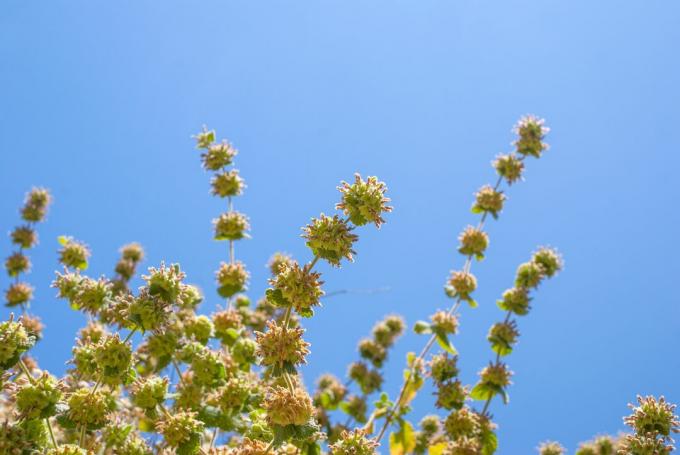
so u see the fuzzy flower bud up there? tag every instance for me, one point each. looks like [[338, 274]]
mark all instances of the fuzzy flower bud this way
[[231, 226], [277, 260], [502, 336], [73, 254], [35, 205], [549, 260], [148, 393], [199, 328], [233, 395], [364, 201], [14, 341], [451, 395], [38, 400], [488, 200], [227, 184], [114, 359], [226, 324], [531, 132], [281, 347], [18, 294], [91, 295], [473, 242], [296, 286], [529, 275], [182, 431], [463, 422], [90, 408], [17, 263], [493, 379], [354, 442], [509, 167], [372, 351], [286, 407], [461, 285], [330, 238], [231, 278], [515, 300], [443, 367], [653, 416], [551, 448], [165, 282], [443, 322], [218, 156], [244, 351], [208, 368]]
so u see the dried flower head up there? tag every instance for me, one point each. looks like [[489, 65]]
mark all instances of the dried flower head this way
[[208, 368], [515, 300], [146, 312], [17, 263], [14, 341], [234, 394], [286, 407], [364, 201], [18, 294], [231, 226], [356, 407], [355, 442], [181, 431], [231, 278], [281, 347], [330, 392], [244, 351], [531, 132], [488, 200], [67, 285], [462, 423], [35, 205], [227, 184], [503, 336], [460, 285], [493, 379], [330, 238], [509, 167], [473, 242], [73, 254], [38, 399], [296, 286], [33, 325]]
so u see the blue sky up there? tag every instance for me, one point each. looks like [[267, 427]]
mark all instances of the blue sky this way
[[99, 99]]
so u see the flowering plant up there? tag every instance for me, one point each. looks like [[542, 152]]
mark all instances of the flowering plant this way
[[230, 382]]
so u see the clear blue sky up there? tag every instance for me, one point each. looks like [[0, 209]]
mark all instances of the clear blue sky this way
[[98, 101]]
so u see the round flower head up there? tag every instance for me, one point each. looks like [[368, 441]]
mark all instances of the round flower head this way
[[233, 395], [388, 330], [488, 200], [132, 252], [443, 367], [38, 400], [24, 237], [205, 138], [243, 352], [84, 359], [91, 295], [17, 263], [182, 431], [515, 300], [199, 328], [73, 254], [134, 445], [549, 260], [146, 312], [461, 285], [551, 448], [330, 238], [227, 324], [372, 351], [14, 341], [18, 294], [231, 226], [208, 368], [126, 269], [67, 449], [451, 395], [33, 326], [463, 422], [529, 275], [218, 156], [503, 336], [509, 167], [296, 286], [35, 206], [281, 348], [277, 260], [67, 285], [286, 407], [90, 408], [356, 407], [364, 201], [369, 380], [443, 322], [227, 184], [492, 380], [473, 242], [330, 392], [231, 278], [430, 424], [165, 282], [190, 296], [114, 359], [531, 133], [355, 442], [148, 393], [653, 416]]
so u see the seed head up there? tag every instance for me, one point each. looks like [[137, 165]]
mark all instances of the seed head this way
[[551, 448], [18, 294], [14, 341], [280, 346], [35, 205], [495, 376], [205, 138], [356, 407], [330, 392], [372, 351], [462, 423], [225, 323], [146, 312], [73, 254], [488, 200], [33, 325], [165, 283], [354, 442], [277, 260], [182, 431], [364, 201], [529, 275], [17, 263], [227, 184], [67, 449], [388, 330], [231, 278], [90, 408], [208, 368], [443, 322], [503, 336], [199, 328], [509, 167], [233, 395], [443, 367], [473, 242], [549, 259], [91, 295], [114, 359], [296, 286], [531, 133], [231, 226], [330, 238], [243, 352], [461, 284], [38, 400], [149, 392], [286, 407], [218, 156], [451, 395], [24, 237], [653, 416], [515, 300]]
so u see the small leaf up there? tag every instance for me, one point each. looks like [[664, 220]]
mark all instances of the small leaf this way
[[422, 327], [403, 441], [445, 343], [436, 449], [63, 240]]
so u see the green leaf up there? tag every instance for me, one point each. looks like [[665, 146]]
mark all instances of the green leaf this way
[[422, 327], [445, 343], [403, 441], [63, 240], [437, 449]]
